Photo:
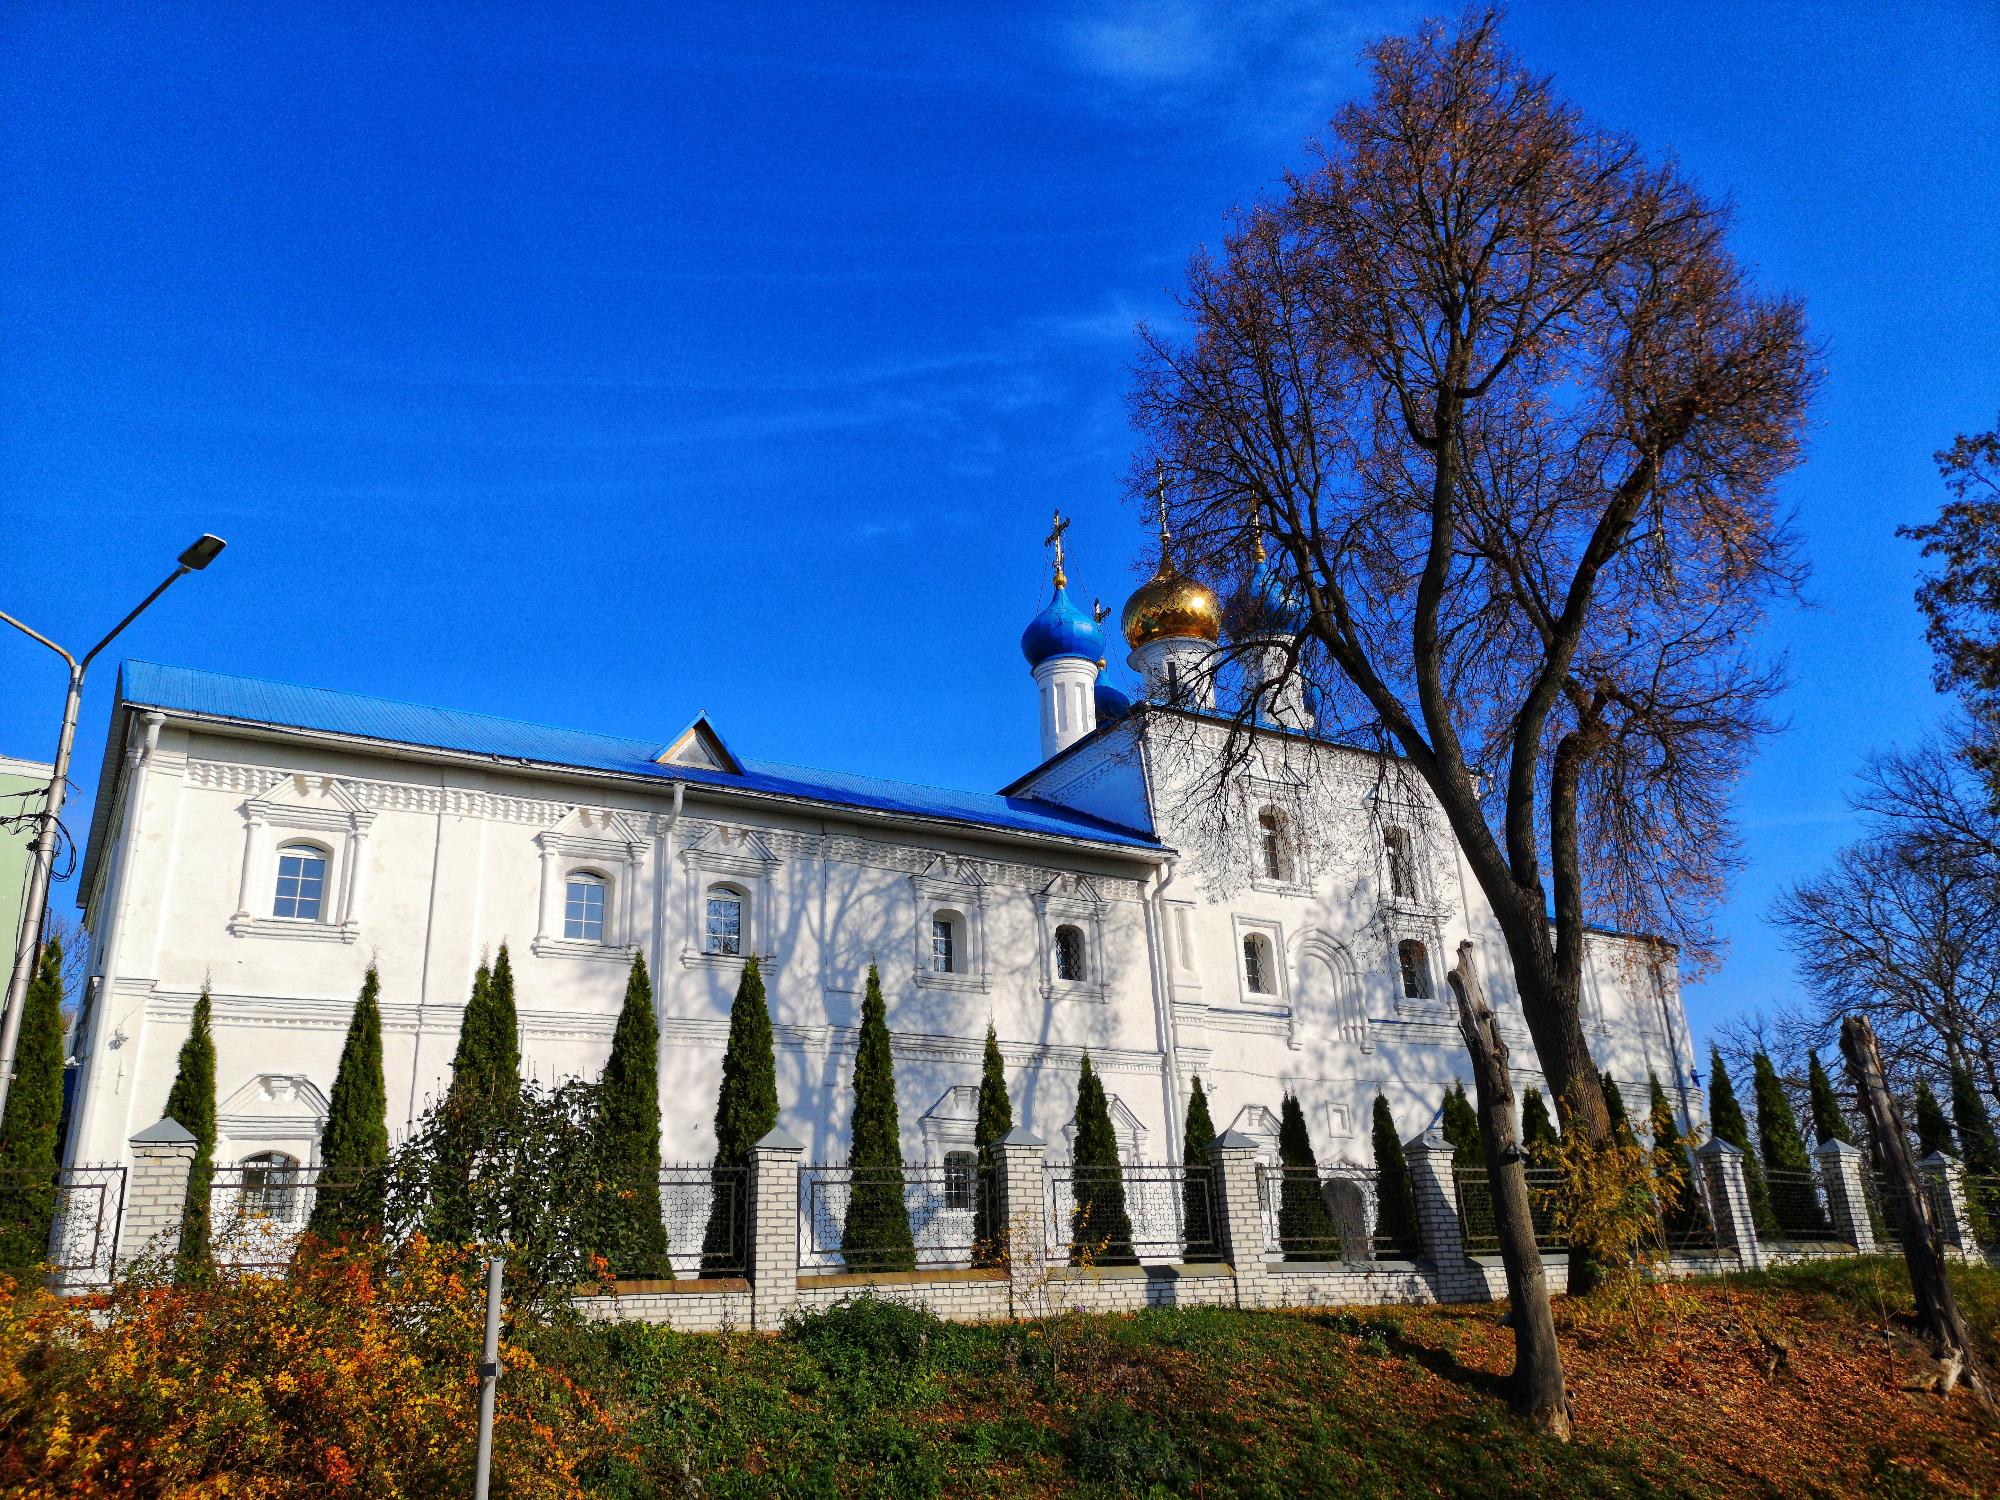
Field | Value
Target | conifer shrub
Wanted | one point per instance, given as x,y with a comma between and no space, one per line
746,1110
1198,1197
485,1083
1395,1195
1538,1131
1459,1122
630,1233
992,1124
28,1146
1829,1124
1933,1126
1978,1145
876,1233
1725,1119
354,1146
1100,1227
1795,1205
1614,1106
1305,1229
191,1105
1673,1165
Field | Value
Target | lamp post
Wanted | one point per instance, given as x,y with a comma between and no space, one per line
27,952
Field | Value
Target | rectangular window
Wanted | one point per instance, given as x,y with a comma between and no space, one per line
583,911
301,883
725,925
961,1179
943,958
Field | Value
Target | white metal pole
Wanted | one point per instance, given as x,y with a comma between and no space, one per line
489,1377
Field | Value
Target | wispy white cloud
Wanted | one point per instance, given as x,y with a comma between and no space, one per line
1262,66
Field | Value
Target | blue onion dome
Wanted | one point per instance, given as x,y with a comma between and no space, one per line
1061,630
1111,703
1275,606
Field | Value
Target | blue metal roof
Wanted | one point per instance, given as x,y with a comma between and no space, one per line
251,700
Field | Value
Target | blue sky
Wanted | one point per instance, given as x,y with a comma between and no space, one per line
601,364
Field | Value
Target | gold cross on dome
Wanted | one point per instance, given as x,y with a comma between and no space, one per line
1055,539
1099,611
1160,494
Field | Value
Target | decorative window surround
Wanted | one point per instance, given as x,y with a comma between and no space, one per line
949,1124
1185,973
1348,1014
1072,900
269,1111
1261,795
1280,993
737,857
333,822
1126,1129
1426,930
955,886
599,842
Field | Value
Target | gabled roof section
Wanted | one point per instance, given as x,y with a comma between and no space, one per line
700,747
253,702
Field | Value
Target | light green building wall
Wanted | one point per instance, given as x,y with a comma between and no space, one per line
16,777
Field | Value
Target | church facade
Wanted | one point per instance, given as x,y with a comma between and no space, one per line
267,842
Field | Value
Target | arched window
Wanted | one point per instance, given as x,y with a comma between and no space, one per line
1415,962
583,907
961,1179
1259,974
1402,867
724,933
1274,855
301,882
1069,952
944,942
270,1186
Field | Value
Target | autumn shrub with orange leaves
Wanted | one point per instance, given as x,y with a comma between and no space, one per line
352,1375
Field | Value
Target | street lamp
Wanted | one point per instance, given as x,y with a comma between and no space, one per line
198,555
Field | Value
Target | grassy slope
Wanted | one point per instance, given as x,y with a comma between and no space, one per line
1776,1385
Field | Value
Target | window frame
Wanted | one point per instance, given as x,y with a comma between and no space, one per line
961,1180
322,899
1274,853
1259,966
725,891
586,879
1076,951
1421,969
297,808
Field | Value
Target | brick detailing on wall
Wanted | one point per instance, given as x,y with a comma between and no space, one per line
1023,1217
1721,1166
774,1229
1434,1193
1946,1179
1240,1215
156,1190
1842,1172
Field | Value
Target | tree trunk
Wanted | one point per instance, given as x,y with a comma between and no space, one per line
1538,1373
1923,1247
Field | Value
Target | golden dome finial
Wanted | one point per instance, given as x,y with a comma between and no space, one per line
1160,495
1054,539
1257,529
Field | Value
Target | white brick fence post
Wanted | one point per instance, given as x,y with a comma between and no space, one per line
1946,1179
1239,1213
1721,1166
1434,1191
1022,1217
156,1191
1842,1174
774,1229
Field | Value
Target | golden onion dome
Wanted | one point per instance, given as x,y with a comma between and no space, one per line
1171,605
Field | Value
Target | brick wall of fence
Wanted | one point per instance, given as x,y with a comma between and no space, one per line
1231,1232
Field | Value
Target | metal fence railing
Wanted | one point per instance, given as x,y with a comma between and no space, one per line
1799,1214
1982,1202
257,1211
849,1220
85,1206
1327,1213
1479,1228
1119,1215
1687,1226
706,1211
1885,1208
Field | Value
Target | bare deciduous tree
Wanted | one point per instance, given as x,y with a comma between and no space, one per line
1961,604
1904,927
1509,417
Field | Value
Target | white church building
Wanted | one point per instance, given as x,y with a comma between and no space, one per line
268,842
